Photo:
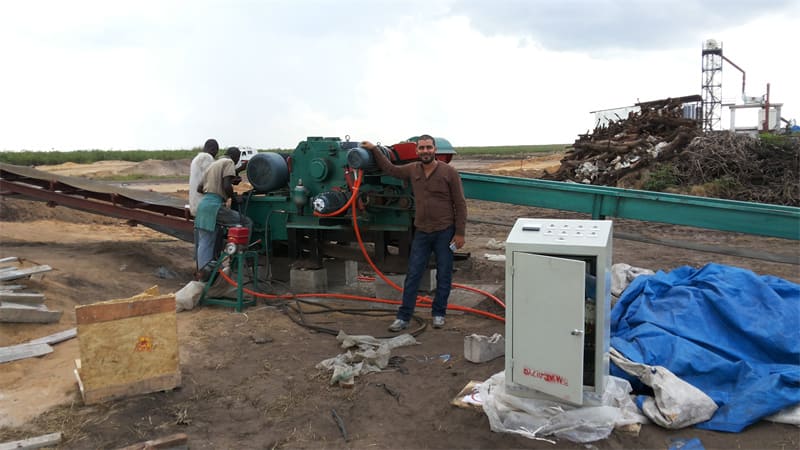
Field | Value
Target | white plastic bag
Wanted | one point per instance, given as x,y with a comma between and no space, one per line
494,244
677,404
623,274
790,415
188,296
536,418
365,354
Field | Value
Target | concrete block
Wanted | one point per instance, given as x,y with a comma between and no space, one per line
428,281
303,281
342,272
279,268
18,312
383,290
479,348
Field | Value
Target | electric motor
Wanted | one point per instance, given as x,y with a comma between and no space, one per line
361,158
328,202
267,172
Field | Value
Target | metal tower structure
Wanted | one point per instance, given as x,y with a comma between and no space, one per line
712,85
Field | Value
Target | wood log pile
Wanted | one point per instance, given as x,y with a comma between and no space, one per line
732,166
741,167
655,133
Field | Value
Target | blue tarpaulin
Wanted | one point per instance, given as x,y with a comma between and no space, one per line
731,333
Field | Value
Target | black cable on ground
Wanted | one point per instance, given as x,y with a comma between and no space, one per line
296,313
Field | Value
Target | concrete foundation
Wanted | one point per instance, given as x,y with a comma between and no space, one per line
308,281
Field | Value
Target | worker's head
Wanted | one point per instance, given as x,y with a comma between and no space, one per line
233,153
211,147
426,148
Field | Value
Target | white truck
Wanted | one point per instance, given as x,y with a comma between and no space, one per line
244,156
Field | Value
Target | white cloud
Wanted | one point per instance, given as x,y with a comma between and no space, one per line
268,74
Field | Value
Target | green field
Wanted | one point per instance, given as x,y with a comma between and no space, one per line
29,158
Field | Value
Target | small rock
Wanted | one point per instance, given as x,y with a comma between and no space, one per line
163,272
261,338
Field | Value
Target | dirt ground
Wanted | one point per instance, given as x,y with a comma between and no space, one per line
249,379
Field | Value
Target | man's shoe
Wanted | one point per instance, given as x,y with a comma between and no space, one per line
438,321
398,325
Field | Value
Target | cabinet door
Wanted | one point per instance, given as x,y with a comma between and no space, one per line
547,323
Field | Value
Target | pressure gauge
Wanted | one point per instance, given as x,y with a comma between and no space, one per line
230,248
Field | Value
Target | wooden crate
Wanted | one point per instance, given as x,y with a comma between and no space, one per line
127,347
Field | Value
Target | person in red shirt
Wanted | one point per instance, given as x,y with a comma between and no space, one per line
440,221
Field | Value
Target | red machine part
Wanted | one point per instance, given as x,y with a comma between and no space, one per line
407,151
238,235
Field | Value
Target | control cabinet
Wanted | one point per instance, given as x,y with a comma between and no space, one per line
558,297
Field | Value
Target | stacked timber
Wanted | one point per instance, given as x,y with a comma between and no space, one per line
22,307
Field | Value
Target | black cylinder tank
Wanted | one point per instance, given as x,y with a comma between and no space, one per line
267,172
328,202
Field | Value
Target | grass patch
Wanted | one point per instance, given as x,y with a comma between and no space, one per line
779,140
661,178
723,187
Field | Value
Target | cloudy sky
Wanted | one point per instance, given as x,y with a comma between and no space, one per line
169,74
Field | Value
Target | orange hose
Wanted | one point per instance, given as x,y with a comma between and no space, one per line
371,264
232,282
459,286
421,300
482,292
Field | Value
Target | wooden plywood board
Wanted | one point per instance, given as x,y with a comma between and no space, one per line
113,391
109,312
127,347
124,307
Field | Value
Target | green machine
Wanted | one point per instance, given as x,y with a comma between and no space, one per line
302,202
